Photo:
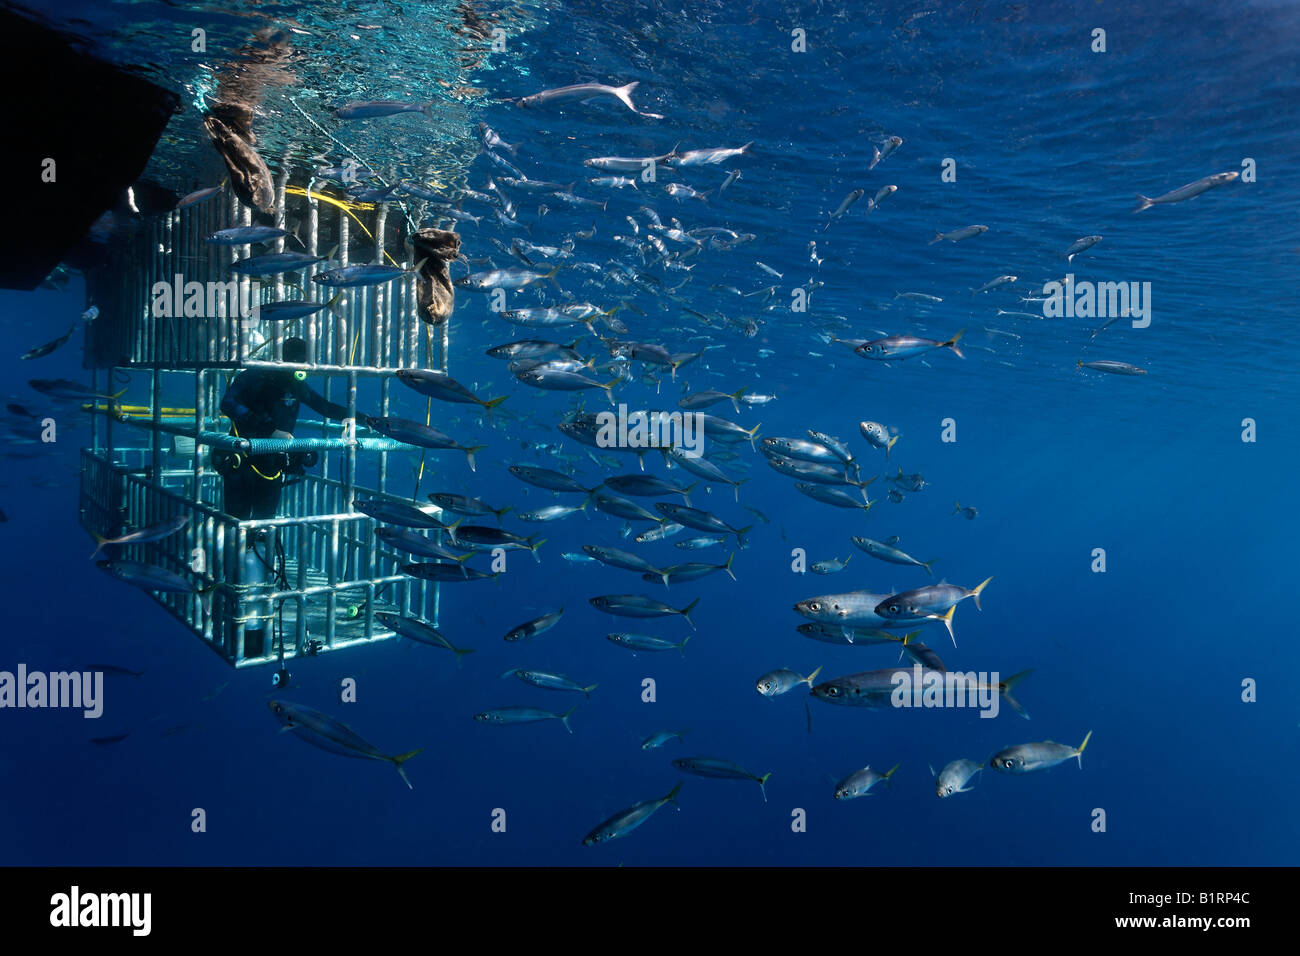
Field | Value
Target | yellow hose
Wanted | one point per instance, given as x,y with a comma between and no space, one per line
347,207
139,410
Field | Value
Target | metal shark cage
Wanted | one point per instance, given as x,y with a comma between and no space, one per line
151,462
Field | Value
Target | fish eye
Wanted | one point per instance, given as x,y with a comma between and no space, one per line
893,609
833,691
815,606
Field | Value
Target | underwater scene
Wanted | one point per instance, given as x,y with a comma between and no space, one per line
653,434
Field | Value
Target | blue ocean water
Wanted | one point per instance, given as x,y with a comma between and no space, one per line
1050,141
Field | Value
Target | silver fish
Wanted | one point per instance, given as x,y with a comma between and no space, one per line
1080,245
621,824
954,777
1188,191
843,207
583,92
860,782
957,235
720,770
1025,758
523,715
548,681
322,731
1115,368
782,681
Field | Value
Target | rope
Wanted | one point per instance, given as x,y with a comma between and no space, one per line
355,155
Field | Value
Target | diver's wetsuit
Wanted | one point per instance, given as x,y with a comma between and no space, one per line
258,403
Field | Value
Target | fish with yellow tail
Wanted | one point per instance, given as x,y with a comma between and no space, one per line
1025,758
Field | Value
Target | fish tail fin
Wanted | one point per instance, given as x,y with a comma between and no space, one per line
1143,203
451,530
956,507
947,622
812,677
735,398
664,576
500,512
494,402
735,486
461,652
586,691
1079,753
551,276
978,588
1008,685
727,567
681,648
938,237
564,718
740,535
753,434
686,495
952,343
100,541
533,548
762,785
608,388
624,93
205,599
926,564
890,772
401,759
672,796
686,613
469,455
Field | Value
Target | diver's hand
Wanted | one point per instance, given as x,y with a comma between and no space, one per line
281,435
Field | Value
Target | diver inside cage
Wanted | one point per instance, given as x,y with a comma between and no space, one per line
264,403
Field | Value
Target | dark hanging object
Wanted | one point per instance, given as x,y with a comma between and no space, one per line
434,250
